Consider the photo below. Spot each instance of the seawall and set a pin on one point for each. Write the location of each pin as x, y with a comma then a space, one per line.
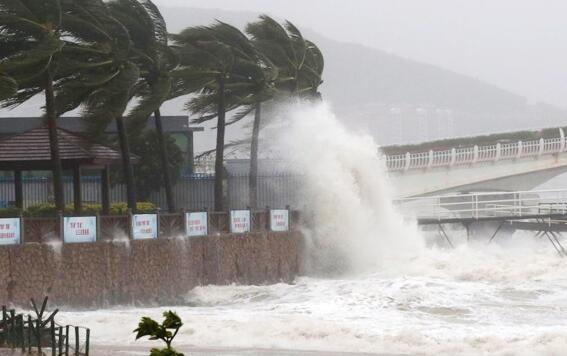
143, 271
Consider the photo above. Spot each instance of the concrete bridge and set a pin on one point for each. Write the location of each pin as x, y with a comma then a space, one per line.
499, 166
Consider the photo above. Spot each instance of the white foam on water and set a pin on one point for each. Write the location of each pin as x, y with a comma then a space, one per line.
383, 291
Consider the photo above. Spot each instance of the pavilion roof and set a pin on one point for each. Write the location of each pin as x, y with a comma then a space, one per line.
31, 148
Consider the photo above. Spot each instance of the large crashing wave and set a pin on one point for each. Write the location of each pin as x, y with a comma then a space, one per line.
345, 194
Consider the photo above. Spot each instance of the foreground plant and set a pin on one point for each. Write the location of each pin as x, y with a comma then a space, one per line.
166, 331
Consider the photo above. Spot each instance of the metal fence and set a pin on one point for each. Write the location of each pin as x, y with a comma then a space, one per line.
192, 192
44, 336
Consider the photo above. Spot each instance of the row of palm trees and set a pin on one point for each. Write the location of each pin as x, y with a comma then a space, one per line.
117, 62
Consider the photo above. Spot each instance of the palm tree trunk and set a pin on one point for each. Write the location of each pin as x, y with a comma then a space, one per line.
164, 163
253, 175
219, 155
126, 163
57, 168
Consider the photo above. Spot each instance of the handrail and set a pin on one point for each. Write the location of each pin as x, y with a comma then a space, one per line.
475, 154
486, 204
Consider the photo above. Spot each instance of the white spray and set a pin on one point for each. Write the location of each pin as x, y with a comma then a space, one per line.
353, 224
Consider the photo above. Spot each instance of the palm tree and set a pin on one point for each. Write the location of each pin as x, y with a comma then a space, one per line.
105, 86
298, 64
216, 61
30, 49
156, 61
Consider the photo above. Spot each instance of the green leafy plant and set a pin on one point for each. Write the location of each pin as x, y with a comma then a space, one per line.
49, 210
166, 331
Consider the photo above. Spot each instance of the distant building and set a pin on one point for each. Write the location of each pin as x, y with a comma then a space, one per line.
175, 126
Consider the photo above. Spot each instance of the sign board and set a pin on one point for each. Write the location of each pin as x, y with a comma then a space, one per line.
279, 220
196, 224
144, 226
240, 221
10, 231
77, 229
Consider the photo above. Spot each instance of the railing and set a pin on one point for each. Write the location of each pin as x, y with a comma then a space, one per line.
191, 192
468, 155
27, 333
486, 204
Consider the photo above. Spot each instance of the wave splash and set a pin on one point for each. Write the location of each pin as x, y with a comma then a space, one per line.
353, 226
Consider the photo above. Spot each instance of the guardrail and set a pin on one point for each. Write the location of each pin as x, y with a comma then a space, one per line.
486, 204
23, 332
468, 155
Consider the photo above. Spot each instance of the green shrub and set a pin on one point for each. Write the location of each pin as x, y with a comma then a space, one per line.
11, 212
41, 210
141, 207
48, 209
166, 331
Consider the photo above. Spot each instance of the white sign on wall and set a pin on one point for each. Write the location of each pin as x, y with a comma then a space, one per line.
10, 231
144, 226
77, 229
196, 224
240, 221
279, 220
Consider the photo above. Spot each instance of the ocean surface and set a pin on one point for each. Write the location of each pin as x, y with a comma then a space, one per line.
507, 298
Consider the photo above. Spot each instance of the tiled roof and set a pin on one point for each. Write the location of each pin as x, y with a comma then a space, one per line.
33, 145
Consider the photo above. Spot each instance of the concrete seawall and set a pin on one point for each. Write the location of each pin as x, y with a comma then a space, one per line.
143, 271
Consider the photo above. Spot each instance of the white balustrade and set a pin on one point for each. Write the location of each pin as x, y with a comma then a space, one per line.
474, 154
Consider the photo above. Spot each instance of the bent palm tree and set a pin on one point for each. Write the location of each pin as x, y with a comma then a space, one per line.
299, 65
30, 50
106, 85
156, 60
215, 63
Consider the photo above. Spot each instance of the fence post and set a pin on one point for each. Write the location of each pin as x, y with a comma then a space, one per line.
541, 146
498, 149
453, 156
430, 160
52, 334
289, 217
562, 137
67, 340
475, 153
520, 149
30, 328
38, 334
60, 341
87, 341
77, 342
22, 338
158, 211
98, 232
130, 219
408, 161
61, 226
22, 238
12, 328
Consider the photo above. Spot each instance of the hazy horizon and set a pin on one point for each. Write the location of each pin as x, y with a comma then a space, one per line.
516, 45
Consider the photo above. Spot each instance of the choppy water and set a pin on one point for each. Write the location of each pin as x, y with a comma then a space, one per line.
504, 299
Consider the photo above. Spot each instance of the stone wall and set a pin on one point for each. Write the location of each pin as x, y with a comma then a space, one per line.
143, 271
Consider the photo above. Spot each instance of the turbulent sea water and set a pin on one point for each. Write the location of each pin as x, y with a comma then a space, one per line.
372, 283
503, 299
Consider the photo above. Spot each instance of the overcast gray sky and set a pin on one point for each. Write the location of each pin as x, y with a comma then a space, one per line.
519, 45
